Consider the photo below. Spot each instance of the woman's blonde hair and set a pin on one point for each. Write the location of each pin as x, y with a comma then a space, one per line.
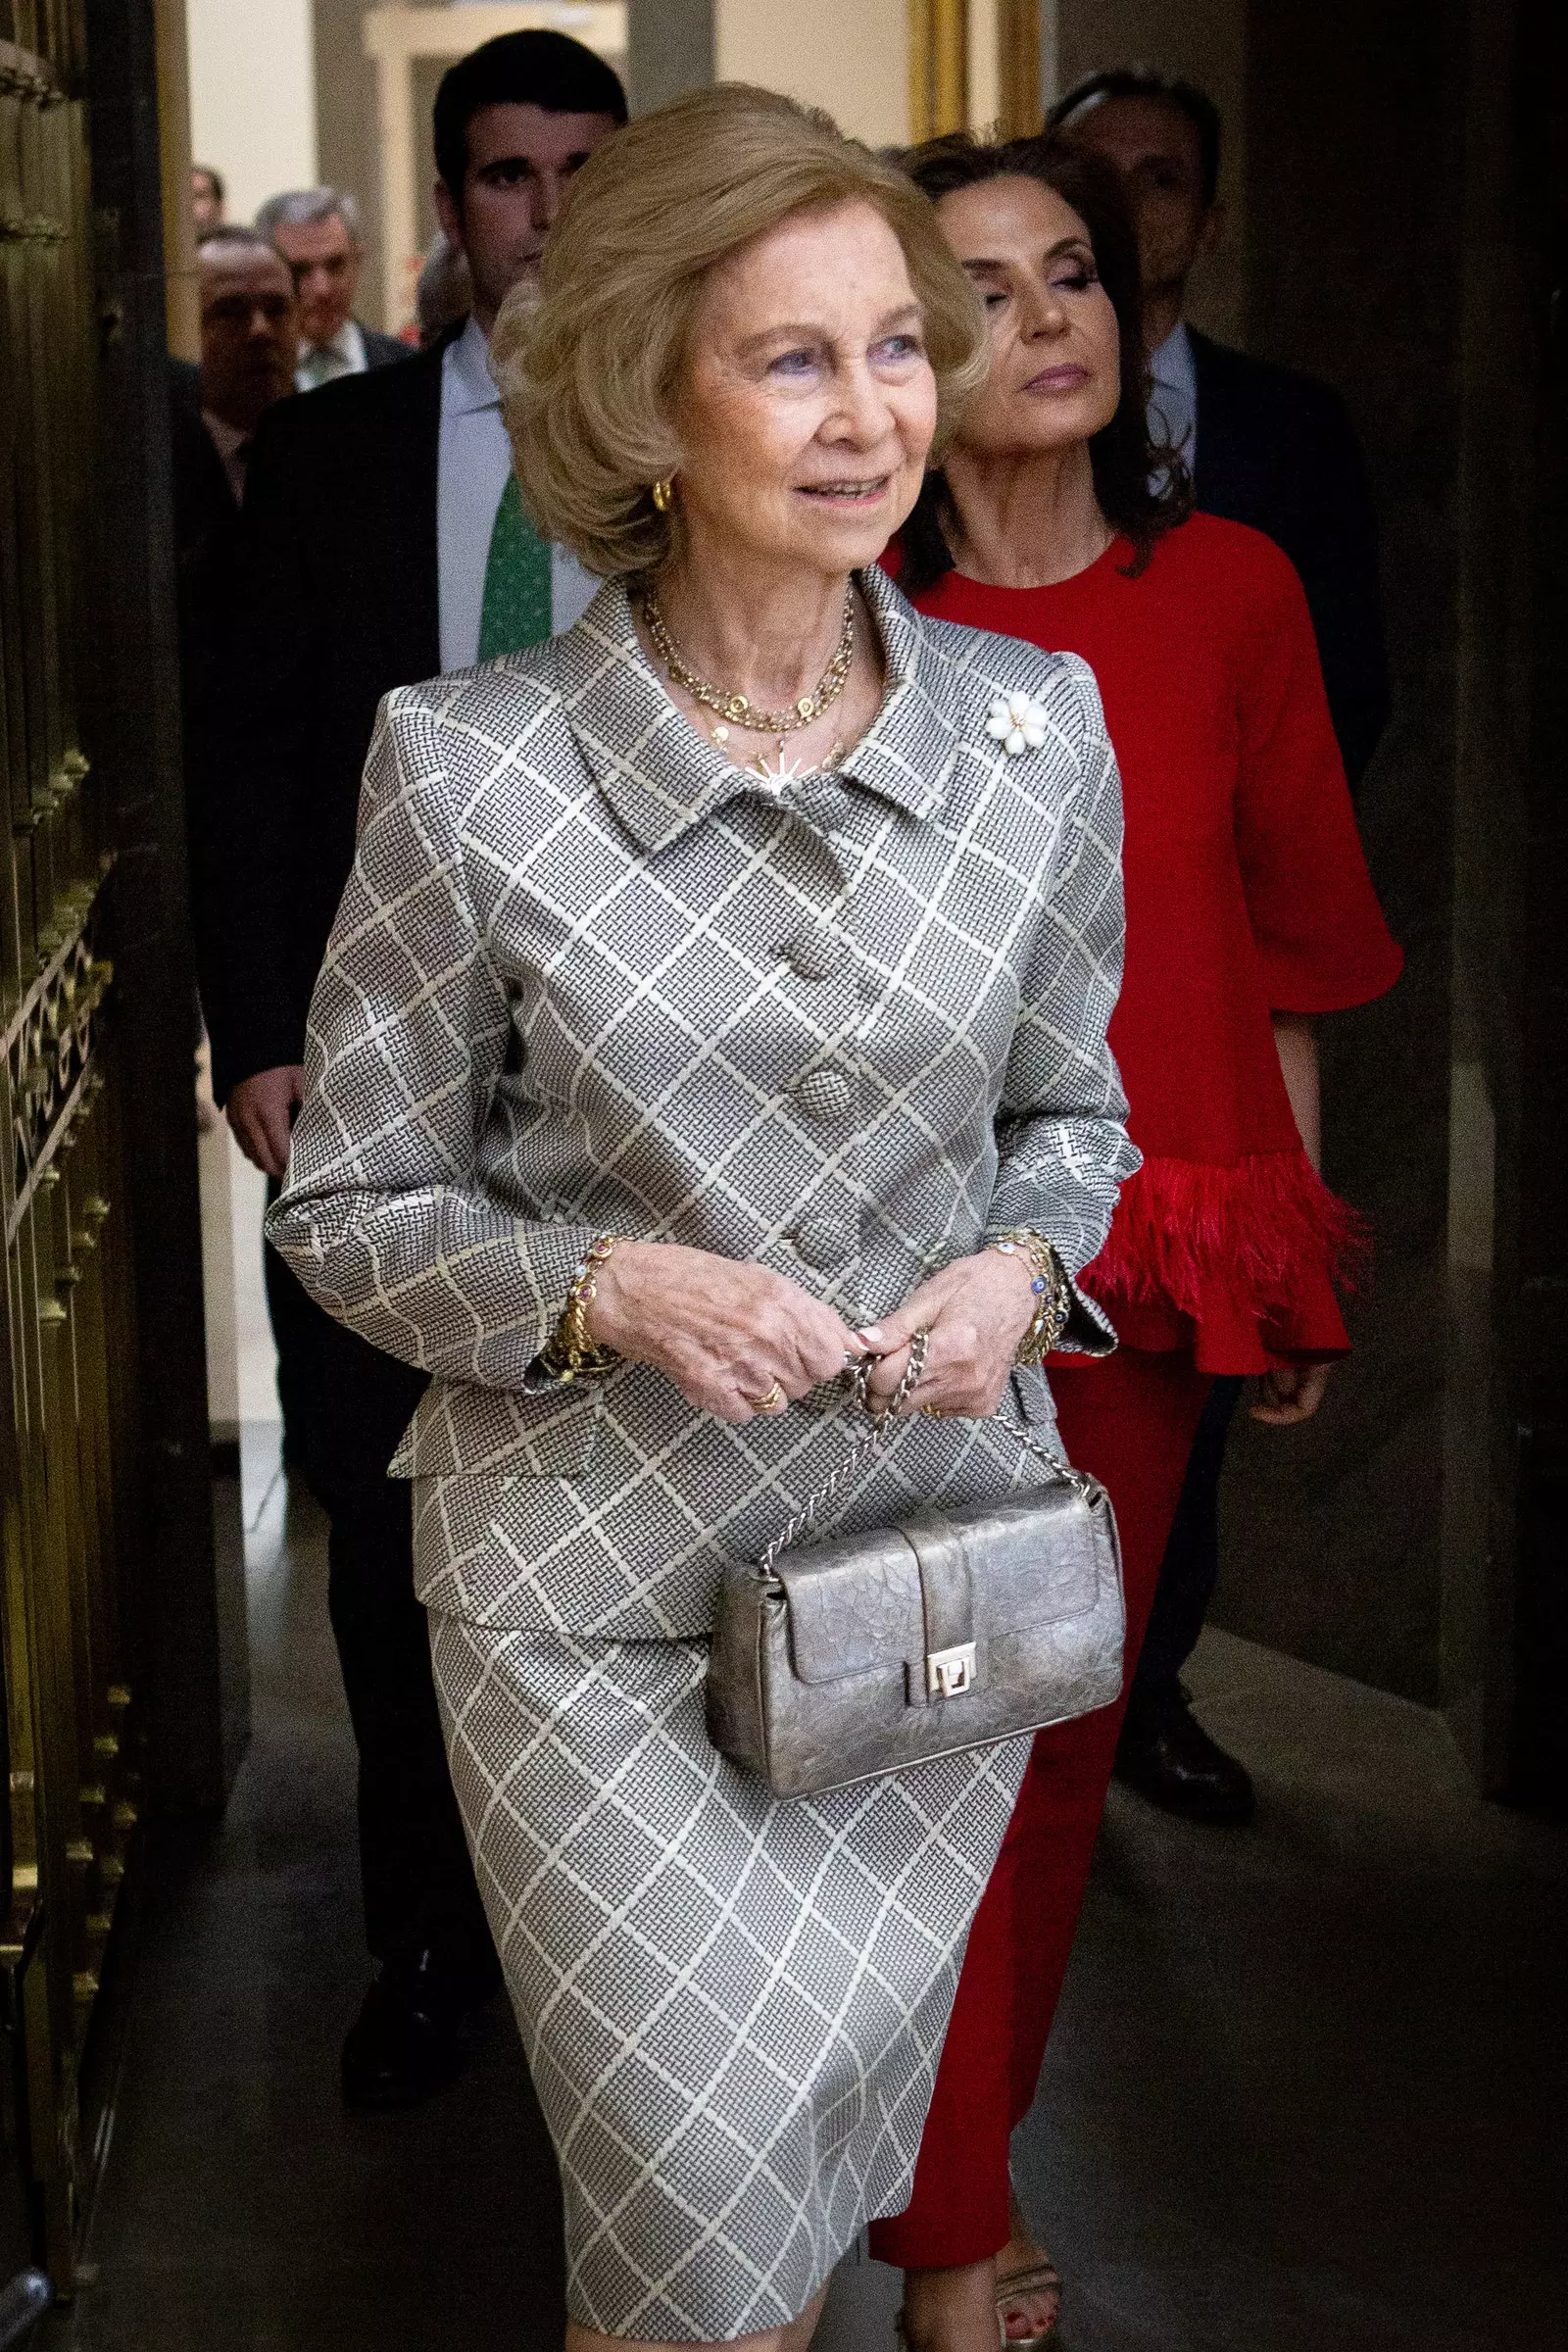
590, 365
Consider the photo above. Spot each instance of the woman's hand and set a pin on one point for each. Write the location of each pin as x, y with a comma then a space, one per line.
735, 1338
977, 1312
1290, 1393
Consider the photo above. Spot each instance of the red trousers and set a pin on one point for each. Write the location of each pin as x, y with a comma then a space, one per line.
1131, 1420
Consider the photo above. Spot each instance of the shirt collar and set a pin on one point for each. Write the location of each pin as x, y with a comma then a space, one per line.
467, 384
230, 438
233, 448
1172, 364
660, 776
347, 345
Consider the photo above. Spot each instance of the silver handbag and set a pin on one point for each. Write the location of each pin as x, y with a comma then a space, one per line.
950, 1630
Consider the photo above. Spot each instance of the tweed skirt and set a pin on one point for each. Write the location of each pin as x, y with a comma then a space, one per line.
733, 2005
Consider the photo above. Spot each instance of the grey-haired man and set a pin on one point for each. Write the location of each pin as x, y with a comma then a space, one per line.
317, 230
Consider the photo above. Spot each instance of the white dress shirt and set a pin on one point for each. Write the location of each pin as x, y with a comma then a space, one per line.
473, 461
1173, 394
342, 354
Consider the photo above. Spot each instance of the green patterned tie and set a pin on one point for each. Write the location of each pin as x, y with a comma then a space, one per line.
516, 609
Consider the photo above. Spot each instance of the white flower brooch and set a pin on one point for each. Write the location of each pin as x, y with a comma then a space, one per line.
1017, 723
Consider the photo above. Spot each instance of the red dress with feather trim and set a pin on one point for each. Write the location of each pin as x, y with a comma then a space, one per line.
1248, 894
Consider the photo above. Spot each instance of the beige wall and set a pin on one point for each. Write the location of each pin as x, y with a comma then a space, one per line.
849, 56
852, 58
253, 95
669, 51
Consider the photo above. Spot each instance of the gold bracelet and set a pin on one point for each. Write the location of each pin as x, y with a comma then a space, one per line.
1048, 1278
571, 1353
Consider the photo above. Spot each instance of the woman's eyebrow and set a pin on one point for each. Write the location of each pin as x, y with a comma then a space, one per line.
787, 331
808, 331
1052, 252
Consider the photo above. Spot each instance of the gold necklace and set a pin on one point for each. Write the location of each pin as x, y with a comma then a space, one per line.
735, 709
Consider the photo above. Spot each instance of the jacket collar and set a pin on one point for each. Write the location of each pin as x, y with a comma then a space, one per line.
660, 776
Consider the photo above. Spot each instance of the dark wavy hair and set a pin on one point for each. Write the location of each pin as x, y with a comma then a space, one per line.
1142, 487
548, 70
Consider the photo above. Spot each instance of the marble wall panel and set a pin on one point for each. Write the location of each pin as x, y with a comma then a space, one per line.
1387, 253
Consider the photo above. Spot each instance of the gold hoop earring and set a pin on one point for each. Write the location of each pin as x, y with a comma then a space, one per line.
664, 495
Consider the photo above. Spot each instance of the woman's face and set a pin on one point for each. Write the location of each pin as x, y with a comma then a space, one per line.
1056, 350
808, 403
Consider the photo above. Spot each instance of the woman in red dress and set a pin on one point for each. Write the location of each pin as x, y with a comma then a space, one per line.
1250, 912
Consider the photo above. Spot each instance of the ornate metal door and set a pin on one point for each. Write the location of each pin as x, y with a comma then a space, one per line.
69, 1712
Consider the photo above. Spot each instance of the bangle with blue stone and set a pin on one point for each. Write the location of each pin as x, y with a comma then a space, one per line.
1048, 1280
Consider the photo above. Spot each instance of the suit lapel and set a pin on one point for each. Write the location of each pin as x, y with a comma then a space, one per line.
1213, 478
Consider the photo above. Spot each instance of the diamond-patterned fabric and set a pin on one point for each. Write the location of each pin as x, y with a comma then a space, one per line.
569, 991
732, 2007
587, 977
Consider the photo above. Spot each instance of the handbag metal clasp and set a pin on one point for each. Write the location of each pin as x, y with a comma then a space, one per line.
949, 1673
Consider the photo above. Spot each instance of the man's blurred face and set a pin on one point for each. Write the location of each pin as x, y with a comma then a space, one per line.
521, 162
250, 331
205, 205
325, 261
1158, 154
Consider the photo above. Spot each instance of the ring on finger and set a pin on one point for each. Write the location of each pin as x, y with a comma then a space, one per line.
775, 1401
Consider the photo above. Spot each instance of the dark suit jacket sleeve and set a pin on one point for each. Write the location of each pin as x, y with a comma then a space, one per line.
384, 351
250, 817
1341, 579
336, 602
1276, 450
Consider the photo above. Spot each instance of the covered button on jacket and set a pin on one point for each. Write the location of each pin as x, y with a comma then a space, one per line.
587, 977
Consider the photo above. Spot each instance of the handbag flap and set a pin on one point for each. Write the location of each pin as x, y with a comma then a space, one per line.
856, 1605
1034, 1560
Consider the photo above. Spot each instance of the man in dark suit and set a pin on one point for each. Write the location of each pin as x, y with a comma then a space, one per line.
1274, 449
317, 230
380, 544
1267, 446
250, 329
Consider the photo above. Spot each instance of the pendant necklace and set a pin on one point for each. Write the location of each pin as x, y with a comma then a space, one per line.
737, 711
790, 771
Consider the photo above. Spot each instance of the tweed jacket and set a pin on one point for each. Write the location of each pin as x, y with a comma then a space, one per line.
587, 977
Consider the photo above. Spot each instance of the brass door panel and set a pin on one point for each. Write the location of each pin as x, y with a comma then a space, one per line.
70, 1718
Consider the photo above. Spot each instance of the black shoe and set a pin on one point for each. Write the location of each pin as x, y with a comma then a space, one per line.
416, 2032
1167, 1756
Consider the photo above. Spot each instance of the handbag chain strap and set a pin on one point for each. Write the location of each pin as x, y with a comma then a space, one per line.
881, 1429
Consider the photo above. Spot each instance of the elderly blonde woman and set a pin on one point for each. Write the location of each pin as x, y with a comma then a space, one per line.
715, 986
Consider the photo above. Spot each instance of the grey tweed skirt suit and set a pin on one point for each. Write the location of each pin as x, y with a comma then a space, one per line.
588, 978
